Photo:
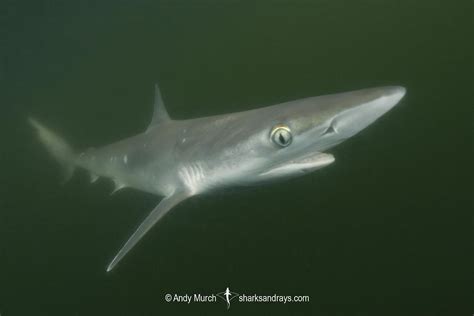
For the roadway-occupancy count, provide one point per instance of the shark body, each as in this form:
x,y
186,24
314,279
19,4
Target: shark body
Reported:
x,y
177,159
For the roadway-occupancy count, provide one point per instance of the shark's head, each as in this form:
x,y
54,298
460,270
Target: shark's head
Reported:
x,y
289,139
319,123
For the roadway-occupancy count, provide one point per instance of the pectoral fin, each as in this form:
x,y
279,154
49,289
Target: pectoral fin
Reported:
x,y
158,212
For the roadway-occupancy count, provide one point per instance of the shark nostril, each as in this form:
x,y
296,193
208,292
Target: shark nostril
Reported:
x,y
329,130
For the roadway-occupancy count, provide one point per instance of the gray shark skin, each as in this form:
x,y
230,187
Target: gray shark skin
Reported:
x,y
177,159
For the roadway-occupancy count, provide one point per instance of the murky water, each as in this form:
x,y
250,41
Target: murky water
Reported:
x,y
386,230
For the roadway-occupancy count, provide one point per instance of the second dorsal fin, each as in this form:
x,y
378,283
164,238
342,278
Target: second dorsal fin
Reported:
x,y
160,115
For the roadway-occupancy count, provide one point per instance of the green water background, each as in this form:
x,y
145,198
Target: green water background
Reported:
x,y
386,230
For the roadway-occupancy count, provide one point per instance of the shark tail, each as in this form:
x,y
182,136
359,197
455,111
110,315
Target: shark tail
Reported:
x,y
57,147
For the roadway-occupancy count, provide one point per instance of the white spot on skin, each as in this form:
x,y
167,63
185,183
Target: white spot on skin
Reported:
x,y
183,140
125,159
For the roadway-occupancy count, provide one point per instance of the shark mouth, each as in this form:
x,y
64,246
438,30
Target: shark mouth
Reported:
x,y
304,164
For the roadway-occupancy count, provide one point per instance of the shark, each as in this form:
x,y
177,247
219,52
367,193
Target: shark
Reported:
x,y
227,296
178,159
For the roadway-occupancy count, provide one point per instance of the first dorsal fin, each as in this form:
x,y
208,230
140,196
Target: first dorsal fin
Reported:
x,y
160,115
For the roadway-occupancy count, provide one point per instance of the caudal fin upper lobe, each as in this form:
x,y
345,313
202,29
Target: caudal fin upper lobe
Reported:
x,y
57,147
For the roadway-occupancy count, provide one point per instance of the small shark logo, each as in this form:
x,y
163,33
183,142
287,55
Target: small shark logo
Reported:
x,y
227,296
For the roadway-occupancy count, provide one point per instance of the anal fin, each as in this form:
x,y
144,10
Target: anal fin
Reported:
x,y
158,212
93,177
118,185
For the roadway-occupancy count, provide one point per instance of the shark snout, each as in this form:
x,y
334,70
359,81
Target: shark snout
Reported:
x,y
374,104
393,95
390,96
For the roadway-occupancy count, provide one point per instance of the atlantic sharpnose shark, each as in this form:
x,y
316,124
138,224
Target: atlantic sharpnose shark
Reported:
x,y
178,159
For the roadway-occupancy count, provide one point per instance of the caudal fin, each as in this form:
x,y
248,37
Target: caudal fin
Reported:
x,y
57,147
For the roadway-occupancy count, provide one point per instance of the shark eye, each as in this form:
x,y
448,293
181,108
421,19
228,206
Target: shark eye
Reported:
x,y
281,135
